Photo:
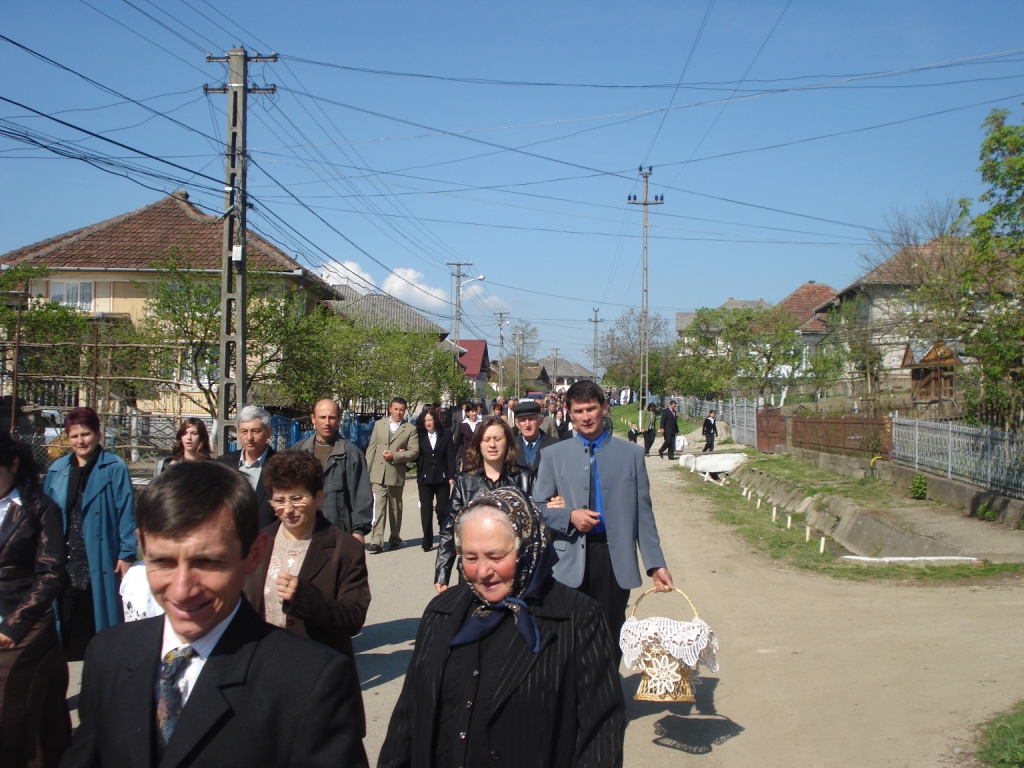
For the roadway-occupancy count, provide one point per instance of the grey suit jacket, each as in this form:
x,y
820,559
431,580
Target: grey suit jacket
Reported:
x,y
628,516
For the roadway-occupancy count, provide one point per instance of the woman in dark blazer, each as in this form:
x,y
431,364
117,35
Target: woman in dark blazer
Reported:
x,y
312,580
509,666
435,472
35,728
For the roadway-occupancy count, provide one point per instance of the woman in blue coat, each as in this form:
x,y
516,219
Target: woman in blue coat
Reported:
x,y
93,489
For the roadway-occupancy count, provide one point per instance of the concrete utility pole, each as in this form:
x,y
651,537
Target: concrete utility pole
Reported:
x,y
595,321
502,322
231,385
516,338
458,294
555,374
645,328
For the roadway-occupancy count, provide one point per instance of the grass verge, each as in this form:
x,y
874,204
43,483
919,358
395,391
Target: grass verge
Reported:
x,y
868,491
788,546
624,415
1002,742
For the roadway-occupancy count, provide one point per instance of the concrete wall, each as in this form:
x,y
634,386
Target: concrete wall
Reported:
x,y
940,489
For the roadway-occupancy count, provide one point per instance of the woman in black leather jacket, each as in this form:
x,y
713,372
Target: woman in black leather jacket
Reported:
x,y
35,728
490,464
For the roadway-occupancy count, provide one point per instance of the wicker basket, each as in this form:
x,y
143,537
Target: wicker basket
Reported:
x,y
658,662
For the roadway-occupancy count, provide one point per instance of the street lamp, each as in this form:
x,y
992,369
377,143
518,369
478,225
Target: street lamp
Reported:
x,y
458,304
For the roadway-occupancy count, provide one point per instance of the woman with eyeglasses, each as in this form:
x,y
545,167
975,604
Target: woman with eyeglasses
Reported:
x,y
312,581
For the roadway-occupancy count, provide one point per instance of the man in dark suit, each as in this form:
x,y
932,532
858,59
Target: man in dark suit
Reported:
x,y
209,683
710,432
607,512
669,430
254,432
531,440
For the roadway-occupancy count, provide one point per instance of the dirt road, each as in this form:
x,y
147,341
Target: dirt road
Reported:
x,y
814,671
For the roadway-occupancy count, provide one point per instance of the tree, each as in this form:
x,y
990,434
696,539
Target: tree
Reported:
x,y
529,339
764,344
701,366
619,349
971,297
285,352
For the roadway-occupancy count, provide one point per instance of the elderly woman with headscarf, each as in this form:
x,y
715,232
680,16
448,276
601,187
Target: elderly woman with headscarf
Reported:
x,y
510,665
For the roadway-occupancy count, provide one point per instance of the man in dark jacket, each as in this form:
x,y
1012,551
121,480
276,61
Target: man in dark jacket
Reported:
x,y
348,497
531,440
710,432
669,430
254,431
209,683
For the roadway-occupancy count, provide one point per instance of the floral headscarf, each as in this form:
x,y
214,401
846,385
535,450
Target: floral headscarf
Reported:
x,y
533,566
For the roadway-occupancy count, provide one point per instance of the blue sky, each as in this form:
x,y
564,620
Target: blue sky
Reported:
x,y
506,153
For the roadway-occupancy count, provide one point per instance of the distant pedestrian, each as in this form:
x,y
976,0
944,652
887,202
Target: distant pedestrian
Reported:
x,y
393,446
348,497
192,443
254,431
435,473
649,427
710,432
669,430
464,433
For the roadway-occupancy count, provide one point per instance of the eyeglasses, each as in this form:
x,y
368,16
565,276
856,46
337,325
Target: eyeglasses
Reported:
x,y
297,502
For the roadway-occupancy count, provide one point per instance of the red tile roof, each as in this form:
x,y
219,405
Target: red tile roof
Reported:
x,y
805,300
136,239
473,359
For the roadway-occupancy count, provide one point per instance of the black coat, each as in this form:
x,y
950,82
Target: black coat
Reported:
x,y
545,441
266,514
435,465
468,485
557,708
669,423
709,428
265,697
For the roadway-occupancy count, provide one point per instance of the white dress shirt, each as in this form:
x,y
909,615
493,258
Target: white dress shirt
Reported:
x,y
203,647
5,503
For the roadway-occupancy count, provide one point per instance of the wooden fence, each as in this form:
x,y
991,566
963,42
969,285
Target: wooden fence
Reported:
x,y
865,436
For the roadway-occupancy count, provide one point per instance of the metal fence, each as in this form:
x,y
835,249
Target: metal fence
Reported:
x,y
740,415
989,458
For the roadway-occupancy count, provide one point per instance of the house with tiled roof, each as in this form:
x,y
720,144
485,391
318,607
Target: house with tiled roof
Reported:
x,y
476,364
803,304
883,298
564,373
101,269
683,319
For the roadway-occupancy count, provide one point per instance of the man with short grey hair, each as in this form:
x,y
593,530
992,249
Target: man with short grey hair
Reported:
x,y
254,431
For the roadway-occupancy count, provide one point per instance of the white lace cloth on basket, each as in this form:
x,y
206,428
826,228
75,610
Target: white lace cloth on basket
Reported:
x,y
692,642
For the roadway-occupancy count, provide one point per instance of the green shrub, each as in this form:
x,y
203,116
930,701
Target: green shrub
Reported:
x,y
919,487
985,512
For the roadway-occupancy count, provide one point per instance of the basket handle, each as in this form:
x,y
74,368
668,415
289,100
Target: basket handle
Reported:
x,y
655,589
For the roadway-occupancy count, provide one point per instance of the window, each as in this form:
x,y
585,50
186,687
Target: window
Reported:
x,y
76,295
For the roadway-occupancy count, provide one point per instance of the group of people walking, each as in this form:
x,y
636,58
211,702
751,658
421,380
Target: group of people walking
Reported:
x,y
543,533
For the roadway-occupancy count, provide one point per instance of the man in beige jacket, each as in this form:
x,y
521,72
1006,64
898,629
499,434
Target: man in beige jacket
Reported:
x,y
393,445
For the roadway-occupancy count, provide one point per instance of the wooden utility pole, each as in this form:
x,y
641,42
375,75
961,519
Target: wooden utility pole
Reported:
x,y
554,386
645,327
231,385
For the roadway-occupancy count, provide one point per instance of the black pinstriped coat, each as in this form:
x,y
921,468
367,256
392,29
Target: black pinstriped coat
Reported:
x,y
559,707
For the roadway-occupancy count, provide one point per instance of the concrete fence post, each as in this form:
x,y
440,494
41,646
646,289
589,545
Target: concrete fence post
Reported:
x,y
988,459
949,452
917,440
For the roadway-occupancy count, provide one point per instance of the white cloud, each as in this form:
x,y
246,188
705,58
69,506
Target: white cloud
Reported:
x,y
407,284
348,273
477,293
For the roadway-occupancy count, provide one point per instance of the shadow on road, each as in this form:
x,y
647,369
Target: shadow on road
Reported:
x,y
694,727
379,668
387,633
